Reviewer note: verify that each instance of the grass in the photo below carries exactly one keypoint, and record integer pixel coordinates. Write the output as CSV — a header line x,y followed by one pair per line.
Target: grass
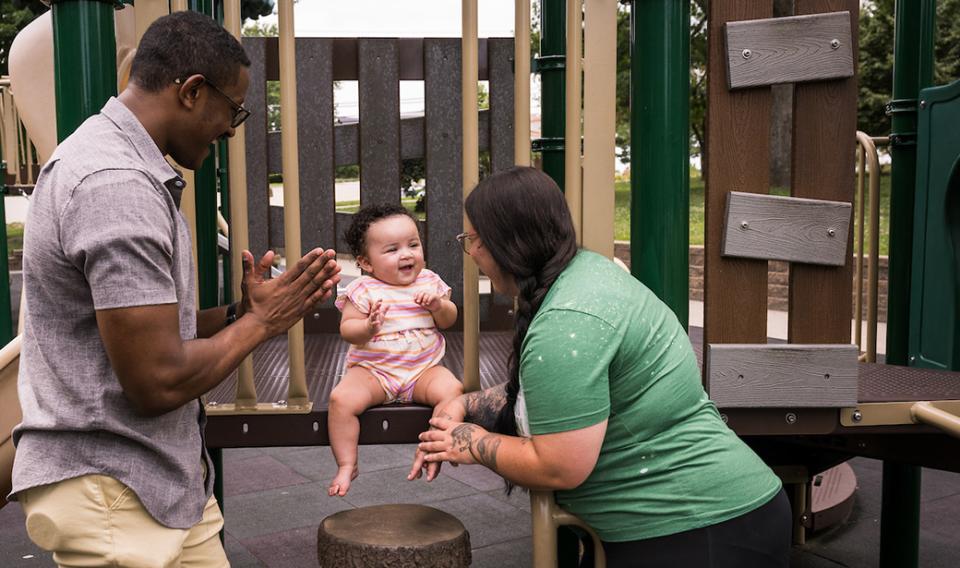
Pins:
x,y
621,219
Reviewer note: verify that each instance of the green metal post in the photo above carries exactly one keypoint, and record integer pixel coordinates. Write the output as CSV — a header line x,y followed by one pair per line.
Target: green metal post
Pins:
x,y
223,175
660,149
551,66
85,60
205,195
912,70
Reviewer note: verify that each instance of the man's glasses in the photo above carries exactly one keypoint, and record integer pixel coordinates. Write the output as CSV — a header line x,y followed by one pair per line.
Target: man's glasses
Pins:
x,y
465,240
240,114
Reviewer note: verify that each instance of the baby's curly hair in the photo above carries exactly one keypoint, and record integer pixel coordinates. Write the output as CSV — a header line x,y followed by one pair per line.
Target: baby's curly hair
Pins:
x,y
356,233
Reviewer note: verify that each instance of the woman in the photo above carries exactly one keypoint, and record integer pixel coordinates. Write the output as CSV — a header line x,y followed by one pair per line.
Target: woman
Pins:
x,y
604,403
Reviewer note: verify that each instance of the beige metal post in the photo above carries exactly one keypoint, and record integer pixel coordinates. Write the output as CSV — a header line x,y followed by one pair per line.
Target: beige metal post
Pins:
x,y
471,176
188,202
572,176
868,148
599,125
521,83
9,131
297,395
240,234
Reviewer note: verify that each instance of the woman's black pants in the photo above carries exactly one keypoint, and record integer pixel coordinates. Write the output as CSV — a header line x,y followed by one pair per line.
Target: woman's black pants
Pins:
x,y
758,539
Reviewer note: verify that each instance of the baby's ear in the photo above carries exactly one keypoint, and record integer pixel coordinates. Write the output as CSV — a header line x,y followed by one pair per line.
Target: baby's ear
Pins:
x,y
364,264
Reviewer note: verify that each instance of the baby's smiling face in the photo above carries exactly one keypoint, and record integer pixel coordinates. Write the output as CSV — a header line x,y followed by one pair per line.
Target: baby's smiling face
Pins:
x,y
394,253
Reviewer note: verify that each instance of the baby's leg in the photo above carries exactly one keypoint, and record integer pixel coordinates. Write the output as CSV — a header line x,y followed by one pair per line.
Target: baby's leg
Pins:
x,y
356,392
436,387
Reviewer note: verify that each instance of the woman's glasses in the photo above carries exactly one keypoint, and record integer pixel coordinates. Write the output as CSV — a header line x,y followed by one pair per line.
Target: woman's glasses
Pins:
x,y
466,240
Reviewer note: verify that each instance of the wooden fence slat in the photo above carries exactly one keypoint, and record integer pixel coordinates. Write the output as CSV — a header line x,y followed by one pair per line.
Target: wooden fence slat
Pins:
x,y
788,50
781,376
738,156
786,228
258,189
379,90
824,134
315,136
500,57
347,136
443,141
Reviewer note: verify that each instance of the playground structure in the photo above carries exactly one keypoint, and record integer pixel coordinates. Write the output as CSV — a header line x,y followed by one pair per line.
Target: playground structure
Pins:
x,y
809,405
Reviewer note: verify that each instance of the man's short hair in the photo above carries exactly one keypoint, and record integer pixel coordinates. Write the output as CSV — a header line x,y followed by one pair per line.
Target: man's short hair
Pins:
x,y
184,44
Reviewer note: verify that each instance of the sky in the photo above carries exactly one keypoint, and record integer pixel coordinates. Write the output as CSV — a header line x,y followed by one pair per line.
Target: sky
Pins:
x,y
396,18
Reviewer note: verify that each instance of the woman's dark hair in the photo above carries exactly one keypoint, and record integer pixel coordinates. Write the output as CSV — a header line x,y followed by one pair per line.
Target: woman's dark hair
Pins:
x,y
183,44
523,220
356,233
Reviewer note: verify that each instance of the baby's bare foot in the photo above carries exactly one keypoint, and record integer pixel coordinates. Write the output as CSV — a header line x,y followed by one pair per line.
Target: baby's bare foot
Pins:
x,y
341,482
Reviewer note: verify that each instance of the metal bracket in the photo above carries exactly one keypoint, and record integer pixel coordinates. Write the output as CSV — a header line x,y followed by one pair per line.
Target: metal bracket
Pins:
x,y
548,63
548,144
892,413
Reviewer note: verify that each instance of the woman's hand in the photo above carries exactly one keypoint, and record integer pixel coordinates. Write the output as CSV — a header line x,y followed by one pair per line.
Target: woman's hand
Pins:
x,y
453,411
453,441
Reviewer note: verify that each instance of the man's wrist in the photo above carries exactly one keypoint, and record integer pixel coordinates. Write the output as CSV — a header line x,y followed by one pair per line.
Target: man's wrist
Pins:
x,y
231,313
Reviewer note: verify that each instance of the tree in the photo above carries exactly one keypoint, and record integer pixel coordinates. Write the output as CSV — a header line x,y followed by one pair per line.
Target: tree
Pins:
x,y
253,9
14,16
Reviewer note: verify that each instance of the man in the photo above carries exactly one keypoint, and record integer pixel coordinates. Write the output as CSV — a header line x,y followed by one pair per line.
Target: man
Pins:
x,y
111,467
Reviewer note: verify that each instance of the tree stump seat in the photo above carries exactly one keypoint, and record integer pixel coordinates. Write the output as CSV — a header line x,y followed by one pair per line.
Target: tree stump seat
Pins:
x,y
395,536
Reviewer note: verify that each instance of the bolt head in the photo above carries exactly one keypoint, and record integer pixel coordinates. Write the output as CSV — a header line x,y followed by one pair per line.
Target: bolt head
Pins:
x,y
746,53
834,43
832,232
744,225
791,418
857,416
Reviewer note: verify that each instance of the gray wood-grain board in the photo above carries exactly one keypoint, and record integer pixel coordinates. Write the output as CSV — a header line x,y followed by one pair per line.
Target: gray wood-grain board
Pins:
x,y
788,50
443,142
379,90
258,190
787,375
812,231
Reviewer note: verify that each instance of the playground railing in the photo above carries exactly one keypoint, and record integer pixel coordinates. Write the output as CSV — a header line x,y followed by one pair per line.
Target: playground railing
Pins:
x,y
867,156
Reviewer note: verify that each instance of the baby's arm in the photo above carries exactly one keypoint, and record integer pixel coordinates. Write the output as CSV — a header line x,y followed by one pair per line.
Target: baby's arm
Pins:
x,y
444,311
357,327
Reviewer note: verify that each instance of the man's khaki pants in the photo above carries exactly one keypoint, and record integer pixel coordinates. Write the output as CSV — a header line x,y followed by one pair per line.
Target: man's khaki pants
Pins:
x,y
95,520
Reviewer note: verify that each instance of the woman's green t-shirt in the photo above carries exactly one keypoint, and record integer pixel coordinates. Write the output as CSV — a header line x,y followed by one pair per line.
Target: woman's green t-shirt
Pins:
x,y
603,346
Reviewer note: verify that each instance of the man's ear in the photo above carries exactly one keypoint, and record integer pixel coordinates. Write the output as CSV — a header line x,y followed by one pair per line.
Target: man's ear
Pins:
x,y
189,90
364,263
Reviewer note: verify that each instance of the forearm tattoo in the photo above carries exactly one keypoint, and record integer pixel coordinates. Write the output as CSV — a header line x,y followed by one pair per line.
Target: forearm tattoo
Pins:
x,y
462,437
487,449
484,406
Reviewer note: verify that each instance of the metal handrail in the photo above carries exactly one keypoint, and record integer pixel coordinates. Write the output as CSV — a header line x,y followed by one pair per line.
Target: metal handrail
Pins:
x,y
867,154
547,516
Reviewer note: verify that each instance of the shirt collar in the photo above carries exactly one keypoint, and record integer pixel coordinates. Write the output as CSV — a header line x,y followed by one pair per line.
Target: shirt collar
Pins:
x,y
153,160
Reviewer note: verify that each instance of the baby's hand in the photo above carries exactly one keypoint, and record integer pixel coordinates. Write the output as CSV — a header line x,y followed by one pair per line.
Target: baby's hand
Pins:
x,y
375,317
431,302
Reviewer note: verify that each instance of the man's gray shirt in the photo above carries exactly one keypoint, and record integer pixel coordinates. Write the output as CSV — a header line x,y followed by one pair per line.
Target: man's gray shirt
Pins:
x,y
104,231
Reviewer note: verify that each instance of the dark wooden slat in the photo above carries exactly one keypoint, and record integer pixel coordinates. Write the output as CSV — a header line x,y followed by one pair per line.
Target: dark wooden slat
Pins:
x,y
444,140
258,189
341,221
347,136
789,50
786,228
824,130
500,56
379,121
759,376
738,128
315,138
345,58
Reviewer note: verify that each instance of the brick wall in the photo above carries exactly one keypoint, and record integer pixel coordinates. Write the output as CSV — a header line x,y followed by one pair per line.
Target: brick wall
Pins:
x,y
777,280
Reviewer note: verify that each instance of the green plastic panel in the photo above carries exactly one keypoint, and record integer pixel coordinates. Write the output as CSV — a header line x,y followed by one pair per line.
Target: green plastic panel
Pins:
x,y
935,293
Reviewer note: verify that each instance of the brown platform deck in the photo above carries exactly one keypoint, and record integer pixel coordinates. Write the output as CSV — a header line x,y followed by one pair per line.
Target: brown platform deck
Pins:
x,y
401,423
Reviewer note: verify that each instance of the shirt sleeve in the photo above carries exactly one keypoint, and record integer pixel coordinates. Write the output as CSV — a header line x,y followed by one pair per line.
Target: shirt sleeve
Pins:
x,y
440,286
118,231
357,294
564,370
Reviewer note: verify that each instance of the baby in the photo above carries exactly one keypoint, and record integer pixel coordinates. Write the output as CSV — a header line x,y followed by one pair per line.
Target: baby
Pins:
x,y
390,318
